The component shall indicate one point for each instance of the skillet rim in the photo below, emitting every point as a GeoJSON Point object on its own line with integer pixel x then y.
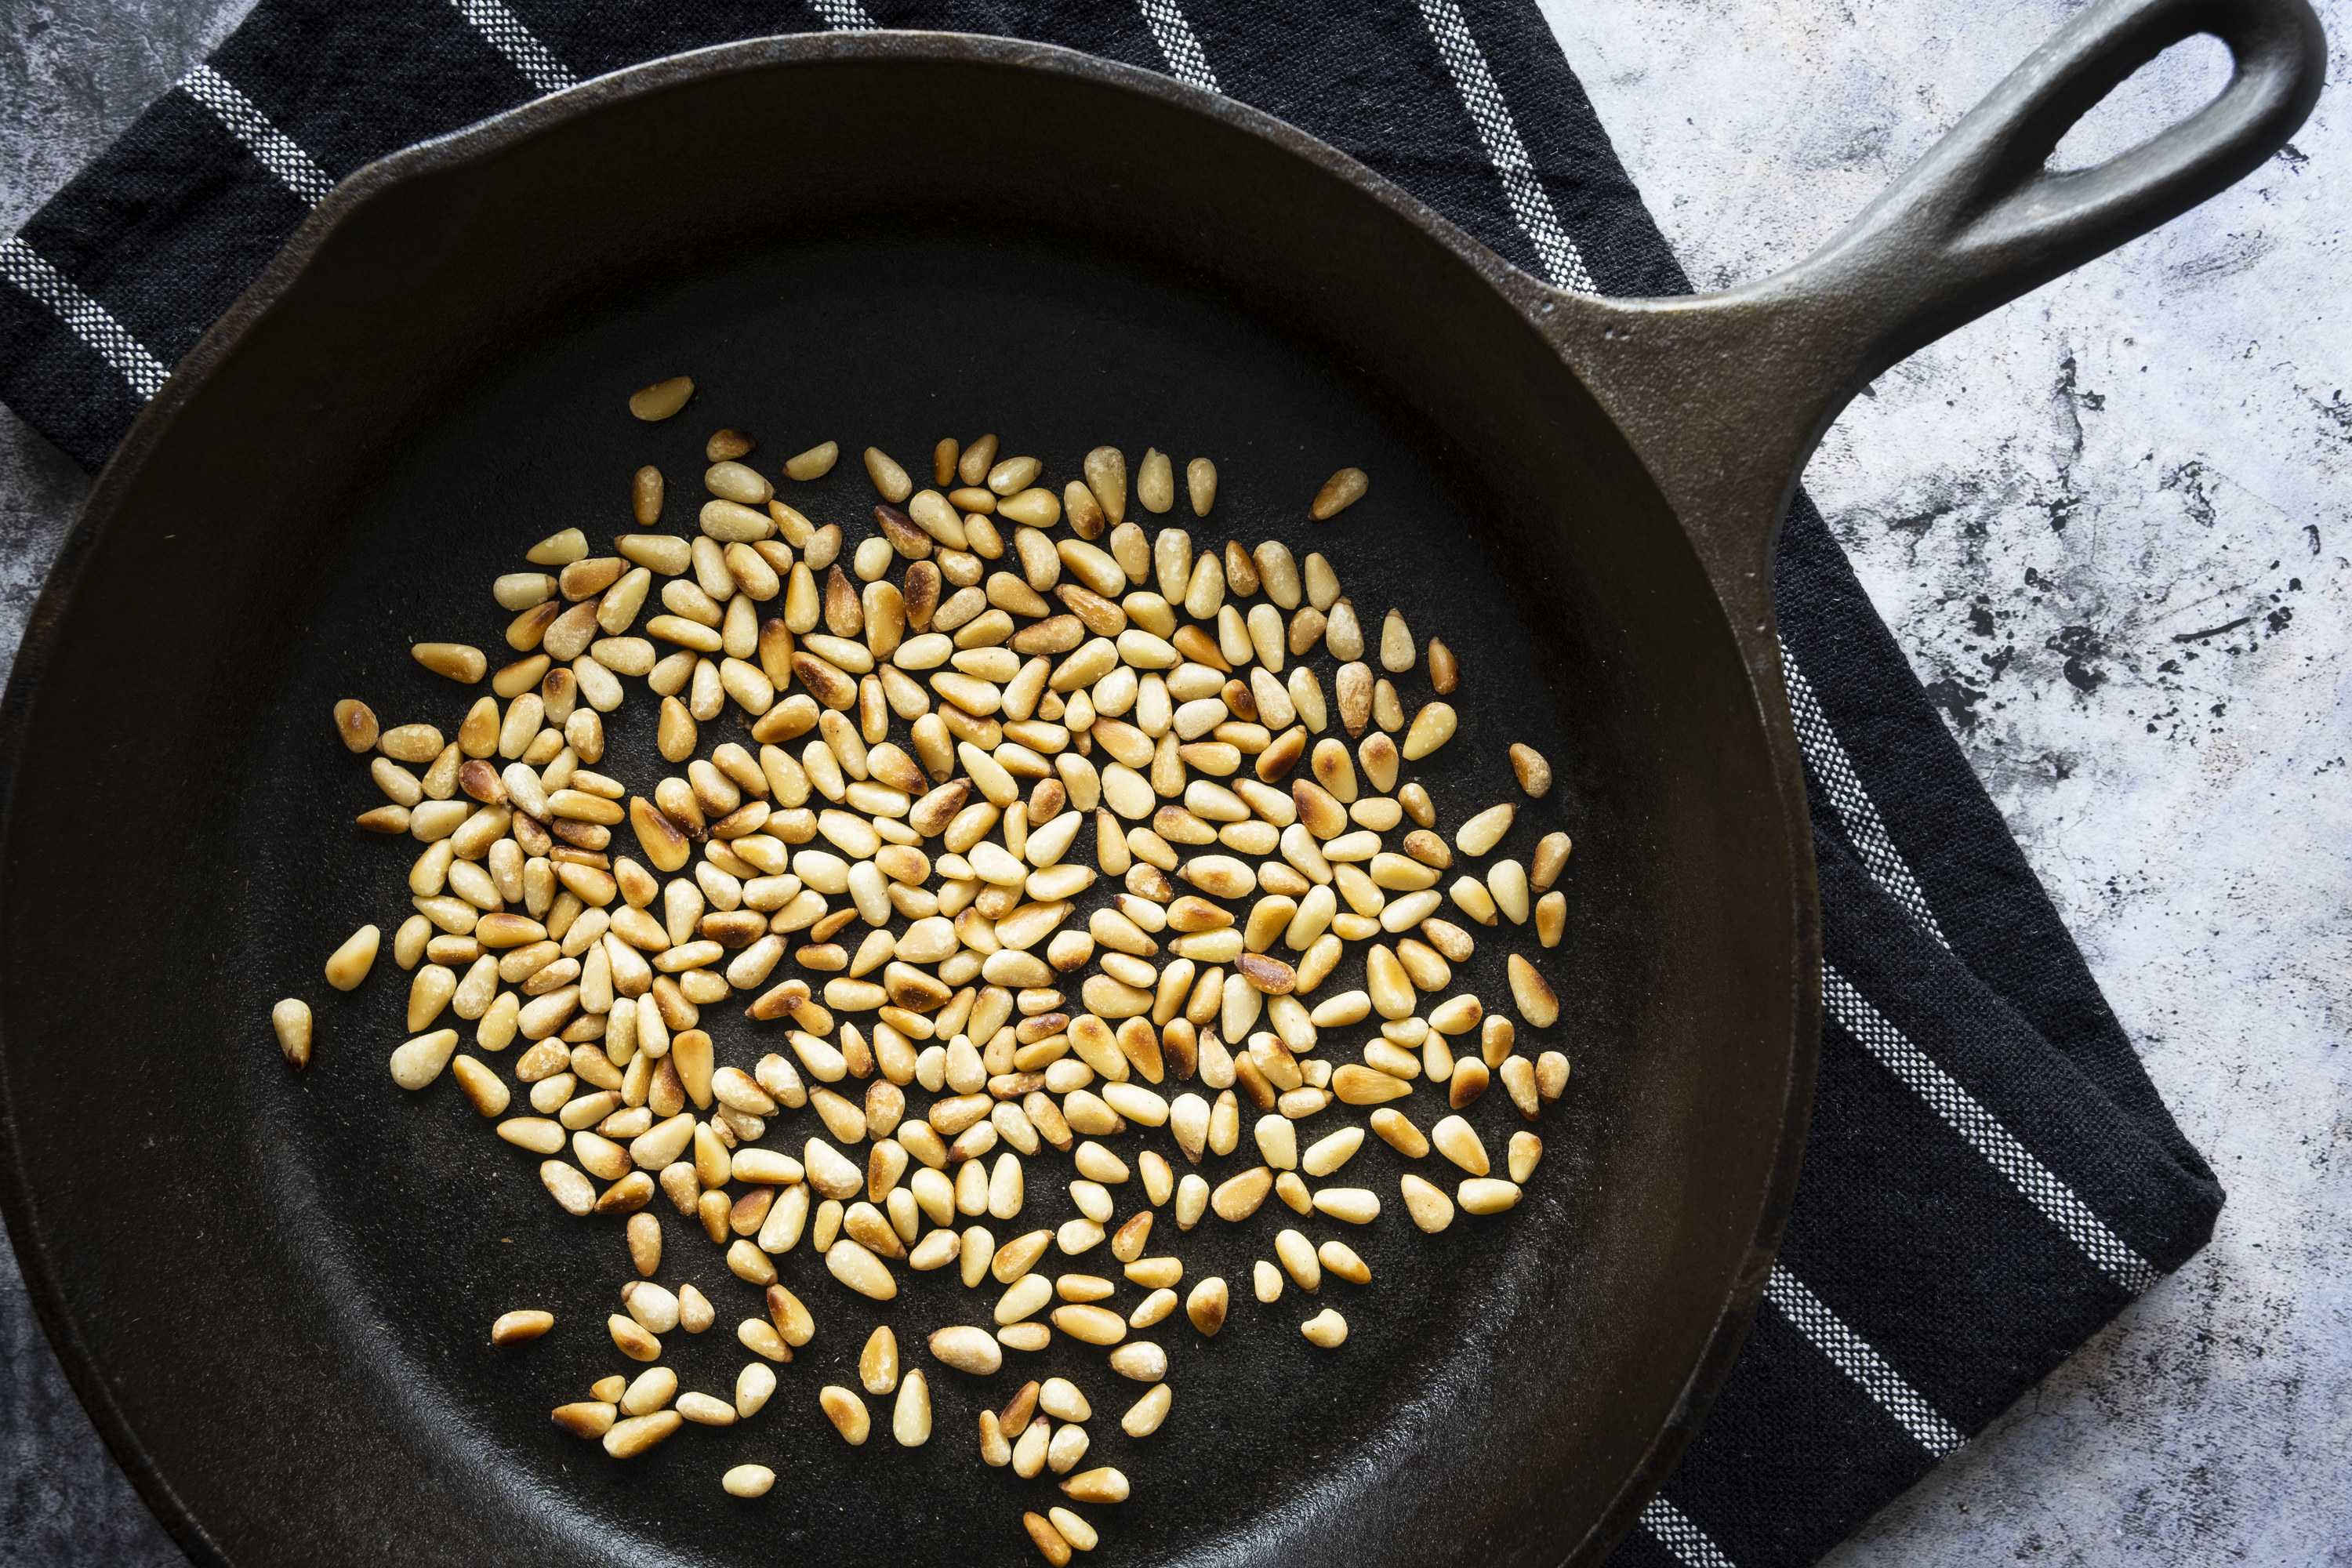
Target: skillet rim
{"type": "Point", "coordinates": [1568, 322]}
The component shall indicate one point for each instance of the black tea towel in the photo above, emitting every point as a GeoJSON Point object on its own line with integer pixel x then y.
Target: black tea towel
{"type": "Point", "coordinates": [1991, 1176]}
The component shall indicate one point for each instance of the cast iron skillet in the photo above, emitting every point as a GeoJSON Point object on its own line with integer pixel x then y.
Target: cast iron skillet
{"type": "Point", "coordinates": [271, 1290]}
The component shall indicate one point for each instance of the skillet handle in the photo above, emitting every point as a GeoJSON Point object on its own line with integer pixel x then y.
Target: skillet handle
{"type": "Point", "coordinates": [1724, 394]}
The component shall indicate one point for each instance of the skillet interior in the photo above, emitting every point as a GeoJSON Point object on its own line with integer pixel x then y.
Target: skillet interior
{"type": "Point", "coordinates": [273, 1289]}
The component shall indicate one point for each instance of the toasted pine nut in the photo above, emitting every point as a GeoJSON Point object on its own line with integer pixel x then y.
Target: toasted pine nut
{"type": "Point", "coordinates": [1471, 896]}
{"type": "Point", "coordinates": [1487, 1194]}
{"type": "Point", "coordinates": [1350, 1204]}
{"type": "Point", "coordinates": [1329, 1154]}
{"type": "Point", "coordinates": [911, 1419]}
{"type": "Point", "coordinates": [662, 399]}
{"type": "Point", "coordinates": [1518, 1076]}
{"type": "Point", "coordinates": [1430, 728]}
{"type": "Point", "coordinates": [291, 1019]}
{"type": "Point", "coordinates": [460, 663]}
{"type": "Point", "coordinates": [1551, 859]}
{"type": "Point", "coordinates": [629, 1438]}
{"type": "Point", "coordinates": [1341, 491]}
{"type": "Point", "coordinates": [1143, 1360]}
{"type": "Point", "coordinates": [419, 1061]}
{"type": "Point", "coordinates": [707, 1411]}
{"type": "Point", "coordinates": [1533, 773]}
{"type": "Point", "coordinates": [1326, 1329]}
{"type": "Point", "coordinates": [1552, 1075]}
{"type": "Point", "coordinates": [1454, 1138]}
{"type": "Point", "coordinates": [1396, 643]}
{"type": "Point", "coordinates": [1537, 1004]}
{"type": "Point", "coordinates": [888, 475]}
{"type": "Point", "coordinates": [519, 1327]}
{"type": "Point", "coordinates": [748, 1480]}
{"type": "Point", "coordinates": [1201, 483]}
{"type": "Point", "coordinates": [1155, 481]}
{"type": "Point", "coordinates": [970, 1350]}
{"type": "Point", "coordinates": [1049, 1541]}
{"type": "Point", "coordinates": [1430, 1209]}
{"type": "Point", "coordinates": [1337, 1257]}
{"type": "Point", "coordinates": [591, 1418]}
{"type": "Point", "coordinates": [355, 723]}
{"type": "Point", "coordinates": [350, 964]}
{"type": "Point", "coordinates": [814, 463]}
{"type": "Point", "coordinates": [1506, 882]}
{"type": "Point", "coordinates": [1094, 1325]}
{"type": "Point", "coordinates": [759, 1337]}
{"type": "Point", "coordinates": [846, 1411]}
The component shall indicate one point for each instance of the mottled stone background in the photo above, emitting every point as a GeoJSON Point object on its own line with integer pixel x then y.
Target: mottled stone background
{"type": "Point", "coordinates": [2110, 526]}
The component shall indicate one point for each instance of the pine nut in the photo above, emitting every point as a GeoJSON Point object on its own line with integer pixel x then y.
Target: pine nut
{"type": "Point", "coordinates": [748, 1480]}
{"type": "Point", "coordinates": [1339, 1258]}
{"type": "Point", "coordinates": [1023, 704]}
{"type": "Point", "coordinates": [631, 1438]}
{"type": "Point", "coordinates": [1506, 882]}
{"type": "Point", "coordinates": [846, 1411]}
{"type": "Point", "coordinates": [1155, 481]}
{"type": "Point", "coordinates": [1454, 1138]}
{"type": "Point", "coordinates": [419, 1061]}
{"type": "Point", "coordinates": [350, 964]}
{"type": "Point", "coordinates": [1525, 1150]}
{"type": "Point", "coordinates": [1104, 1485]}
{"type": "Point", "coordinates": [1430, 728]}
{"type": "Point", "coordinates": [1200, 485]}
{"type": "Point", "coordinates": [1552, 919]}
{"type": "Point", "coordinates": [650, 1391]}
{"type": "Point", "coordinates": [1049, 1541]}
{"type": "Point", "coordinates": [290, 1020]}
{"type": "Point", "coordinates": [1471, 896]}
{"type": "Point", "coordinates": [849, 1262]}
{"type": "Point", "coordinates": [1341, 491]}
{"type": "Point", "coordinates": [355, 724]}
{"type": "Point", "coordinates": [521, 1327]}
{"type": "Point", "coordinates": [1537, 1002]}
{"type": "Point", "coordinates": [1327, 1330]}
{"type": "Point", "coordinates": [1400, 1133]}
{"type": "Point", "coordinates": [1487, 1194]}
{"type": "Point", "coordinates": [1094, 1325]}
{"type": "Point", "coordinates": [1356, 1206]}
{"type": "Point", "coordinates": [1141, 1361]}
{"type": "Point", "coordinates": [759, 1337]}
{"type": "Point", "coordinates": [911, 1419]}
{"type": "Point", "coordinates": [456, 660]}
{"type": "Point", "coordinates": [1430, 1209]}
{"type": "Point", "coordinates": [591, 1418]}
{"type": "Point", "coordinates": [1238, 1197]}
{"type": "Point", "coordinates": [1327, 1155]}
{"type": "Point", "coordinates": [1552, 1075]}
{"type": "Point", "coordinates": [659, 402]}
{"type": "Point", "coordinates": [1396, 643]}
{"type": "Point", "coordinates": [1191, 1201]}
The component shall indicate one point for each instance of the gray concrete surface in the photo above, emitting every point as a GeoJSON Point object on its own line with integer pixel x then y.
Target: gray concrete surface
{"type": "Point", "coordinates": [2042, 507]}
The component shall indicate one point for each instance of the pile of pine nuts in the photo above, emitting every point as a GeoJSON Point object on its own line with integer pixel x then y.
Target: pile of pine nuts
{"type": "Point", "coordinates": [929, 731]}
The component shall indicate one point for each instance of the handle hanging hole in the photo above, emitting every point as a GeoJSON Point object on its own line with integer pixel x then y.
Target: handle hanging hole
{"type": "Point", "coordinates": [2167, 90]}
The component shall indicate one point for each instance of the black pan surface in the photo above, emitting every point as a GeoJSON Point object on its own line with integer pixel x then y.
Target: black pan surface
{"type": "Point", "coordinates": [273, 1289]}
